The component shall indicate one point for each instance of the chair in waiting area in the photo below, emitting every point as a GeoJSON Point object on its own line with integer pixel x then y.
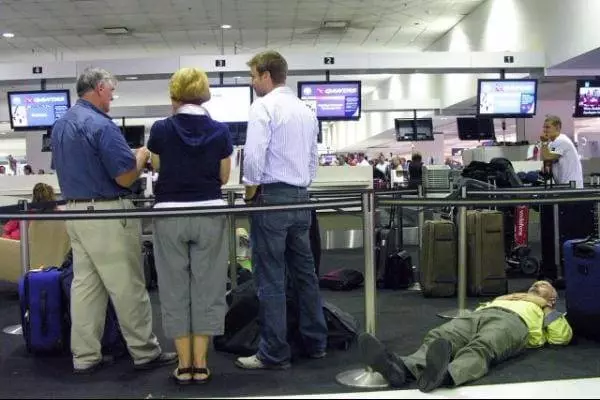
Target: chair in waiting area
{"type": "Point", "coordinates": [48, 246]}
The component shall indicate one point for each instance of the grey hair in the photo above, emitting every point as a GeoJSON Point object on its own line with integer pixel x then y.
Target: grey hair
{"type": "Point", "coordinates": [91, 77]}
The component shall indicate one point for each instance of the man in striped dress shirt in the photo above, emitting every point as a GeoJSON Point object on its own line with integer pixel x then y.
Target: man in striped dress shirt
{"type": "Point", "coordinates": [280, 162]}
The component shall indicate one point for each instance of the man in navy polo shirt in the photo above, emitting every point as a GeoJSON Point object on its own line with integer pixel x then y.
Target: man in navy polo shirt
{"type": "Point", "coordinates": [95, 169]}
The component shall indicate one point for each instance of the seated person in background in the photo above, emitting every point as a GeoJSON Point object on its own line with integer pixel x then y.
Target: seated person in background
{"type": "Point", "coordinates": [27, 170]}
{"type": "Point", "coordinates": [41, 193]}
{"type": "Point", "coordinates": [463, 349]}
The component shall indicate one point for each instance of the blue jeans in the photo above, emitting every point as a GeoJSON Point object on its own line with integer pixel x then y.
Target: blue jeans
{"type": "Point", "coordinates": [281, 251]}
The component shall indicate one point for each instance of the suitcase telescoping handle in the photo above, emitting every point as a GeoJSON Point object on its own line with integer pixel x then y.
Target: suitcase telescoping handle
{"type": "Point", "coordinates": [584, 250]}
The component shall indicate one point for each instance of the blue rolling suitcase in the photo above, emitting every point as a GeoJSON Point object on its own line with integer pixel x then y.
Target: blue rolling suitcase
{"type": "Point", "coordinates": [43, 315]}
{"type": "Point", "coordinates": [582, 276]}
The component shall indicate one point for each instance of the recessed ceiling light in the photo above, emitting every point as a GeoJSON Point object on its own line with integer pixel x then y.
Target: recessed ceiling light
{"type": "Point", "coordinates": [8, 35]}
{"type": "Point", "coordinates": [226, 26]}
{"type": "Point", "coordinates": [131, 78]}
{"type": "Point", "coordinates": [116, 30]}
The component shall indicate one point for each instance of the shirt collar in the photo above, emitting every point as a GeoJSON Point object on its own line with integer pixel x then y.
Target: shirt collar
{"type": "Point", "coordinates": [192, 109]}
{"type": "Point", "coordinates": [87, 104]}
{"type": "Point", "coordinates": [282, 90]}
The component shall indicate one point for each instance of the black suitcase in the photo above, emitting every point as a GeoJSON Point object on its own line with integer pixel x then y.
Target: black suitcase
{"type": "Point", "coordinates": [397, 271]}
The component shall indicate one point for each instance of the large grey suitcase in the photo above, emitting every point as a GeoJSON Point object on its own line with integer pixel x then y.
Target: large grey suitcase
{"type": "Point", "coordinates": [486, 262]}
{"type": "Point", "coordinates": [438, 259]}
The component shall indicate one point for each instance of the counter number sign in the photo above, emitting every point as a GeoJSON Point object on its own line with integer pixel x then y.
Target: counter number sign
{"type": "Point", "coordinates": [328, 60]}
{"type": "Point", "coordinates": [220, 63]}
{"type": "Point", "coordinates": [36, 70]}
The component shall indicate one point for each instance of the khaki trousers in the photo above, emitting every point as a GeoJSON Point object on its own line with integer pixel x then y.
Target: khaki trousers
{"type": "Point", "coordinates": [107, 263]}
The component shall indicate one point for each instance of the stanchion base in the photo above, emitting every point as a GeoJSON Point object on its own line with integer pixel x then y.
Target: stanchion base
{"type": "Point", "coordinates": [13, 330]}
{"type": "Point", "coordinates": [362, 378]}
{"type": "Point", "coordinates": [455, 313]}
{"type": "Point", "coordinates": [415, 287]}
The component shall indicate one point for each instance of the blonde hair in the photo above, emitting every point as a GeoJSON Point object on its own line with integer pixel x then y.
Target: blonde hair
{"type": "Point", "coordinates": [554, 121]}
{"type": "Point", "coordinates": [544, 289]}
{"type": "Point", "coordinates": [43, 192]}
{"type": "Point", "coordinates": [272, 62]}
{"type": "Point", "coordinates": [189, 85]}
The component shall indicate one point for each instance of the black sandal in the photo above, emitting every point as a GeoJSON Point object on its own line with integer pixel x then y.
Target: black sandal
{"type": "Point", "coordinates": [176, 375]}
{"type": "Point", "coordinates": [199, 371]}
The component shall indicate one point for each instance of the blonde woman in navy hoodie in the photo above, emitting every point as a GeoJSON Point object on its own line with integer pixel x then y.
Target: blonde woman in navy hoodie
{"type": "Point", "coordinates": [192, 153]}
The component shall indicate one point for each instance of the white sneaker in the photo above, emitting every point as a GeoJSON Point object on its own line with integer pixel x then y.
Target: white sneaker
{"type": "Point", "coordinates": [253, 362]}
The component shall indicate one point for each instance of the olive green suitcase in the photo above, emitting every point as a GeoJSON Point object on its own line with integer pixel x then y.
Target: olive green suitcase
{"type": "Point", "coordinates": [438, 259]}
{"type": "Point", "coordinates": [486, 262]}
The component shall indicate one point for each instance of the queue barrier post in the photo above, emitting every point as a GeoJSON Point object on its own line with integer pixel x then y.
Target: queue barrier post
{"type": "Point", "coordinates": [462, 264]}
{"type": "Point", "coordinates": [17, 329]}
{"type": "Point", "coordinates": [366, 377]}
{"type": "Point", "coordinates": [232, 241]}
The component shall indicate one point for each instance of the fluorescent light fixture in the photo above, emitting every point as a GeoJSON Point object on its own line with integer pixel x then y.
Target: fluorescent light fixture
{"type": "Point", "coordinates": [116, 30]}
{"type": "Point", "coordinates": [8, 35]}
{"type": "Point", "coordinates": [131, 78]}
{"type": "Point", "coordinates": [335, 24]}
{"type": "Point", "coordinates": [226, 26]}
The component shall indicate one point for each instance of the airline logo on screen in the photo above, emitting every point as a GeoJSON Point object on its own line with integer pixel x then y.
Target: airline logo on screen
{"type": "Point", "coordinates": [29, 99]}
{"type": "Point", "coordinates": [328, 91]}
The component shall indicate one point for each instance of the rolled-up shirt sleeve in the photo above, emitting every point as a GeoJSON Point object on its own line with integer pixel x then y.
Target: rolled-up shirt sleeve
{"type": "Point", "coordinates": [115, 154]}
{"type": "Point", "coordinates": [258, 137]}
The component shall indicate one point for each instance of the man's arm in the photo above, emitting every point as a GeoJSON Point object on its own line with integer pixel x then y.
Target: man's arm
{"type": "Point", "coordinates": [314, 154]}
{"type": "Point", "coordinates": [548, 155]}
{"type": "Point", "coordinates": [121, 164]}
{"type": "Point", "coordinates": [258, 138]}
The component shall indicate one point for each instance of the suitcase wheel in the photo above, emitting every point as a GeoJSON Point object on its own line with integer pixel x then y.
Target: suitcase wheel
{"type": "Point", "coordinates": [529, 265]}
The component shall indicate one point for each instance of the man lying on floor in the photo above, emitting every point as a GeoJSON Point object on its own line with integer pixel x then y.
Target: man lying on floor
{"type": "Point", "coordinates": [462, 350]}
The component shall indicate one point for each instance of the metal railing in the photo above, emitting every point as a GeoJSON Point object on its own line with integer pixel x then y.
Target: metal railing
{"type": "Point", "coordinates": [365, 377]}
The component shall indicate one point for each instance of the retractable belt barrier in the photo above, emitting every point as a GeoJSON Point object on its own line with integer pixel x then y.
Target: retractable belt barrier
{"type": "Point", "coordinates": [365, 378]}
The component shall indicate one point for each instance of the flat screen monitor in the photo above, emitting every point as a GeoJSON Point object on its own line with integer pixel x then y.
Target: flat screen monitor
{"type": "Point", "coordinates": [470, 128]}
{"type": "Point", "coordinates": [507, 98]}
{"type": "Point", "coordinates": [237, 130]}
{"type": "Point", "coordinates": [229, 103]}
{"type": "Point", "coordinates": [413, 130]}
{"type": "Point", "coordinates": [134, 135]}
{"type": "Point", "coordinates": [37, 109]}
{"type": "Point", "coordinates": [47, 141]}
{"type": "Point", "coordinates": [587, 100]}
{"type": "Point", "coordinates": [332, 100]}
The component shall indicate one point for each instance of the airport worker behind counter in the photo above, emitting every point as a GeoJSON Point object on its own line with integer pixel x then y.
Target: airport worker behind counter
{"type": "Point", "coordinates": [463, 349]}
{"type": "Point", "coordinates": [280, 162]}
{"type": "Point", "coordinates": [192, 152]}
{"type": "Point", "coordinates": [95, 168]}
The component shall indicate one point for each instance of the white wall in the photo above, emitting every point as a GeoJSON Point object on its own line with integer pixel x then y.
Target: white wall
{"type": "Point", "coordinates": [396, 87]}
{"type": "Point", "coordinates": [35, 157]}
{"type": "Point", "coordinates": [531, 129]}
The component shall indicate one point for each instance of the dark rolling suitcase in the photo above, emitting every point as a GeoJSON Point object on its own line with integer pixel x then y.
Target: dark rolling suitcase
{"type": "Point", "coordinates": [396, 271]}
{"type": "Point", "coordinates": [582, 276]}
{"type": "Point", "coordinates": [438, 259]}
{"type": "Point", "coordinates": [43, 315]}
{"type": "Point", "coordinates": [486, 262]}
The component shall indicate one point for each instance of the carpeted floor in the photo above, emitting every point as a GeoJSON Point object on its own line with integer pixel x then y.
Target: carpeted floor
{"type": "Point", "coordinates": [403, 318]}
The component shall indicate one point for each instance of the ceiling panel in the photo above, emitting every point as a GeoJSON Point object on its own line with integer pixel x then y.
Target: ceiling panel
{"type": "Point", "coordinates": [373, 25]}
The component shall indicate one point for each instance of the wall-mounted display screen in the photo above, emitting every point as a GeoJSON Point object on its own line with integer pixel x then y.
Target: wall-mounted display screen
{"type": "Point", "coordinates": [507, 98]}
{"type": "Point", "coordinates": [470, 128]}
{"type": "Point", "coordinates": [229, 103]}
{"type": "Point", "coordinates": [332, 100]}
{"type": "Point", "coordinates": [587, 99]}
{"type": "Point", "coordinates": [237, 130]}
{"type": "Point", "coordinates": [413, 130]}
{"type": "Point", "coordinates": [37, 109]}
{"type": "Point", "coordinates": [134, 135]}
